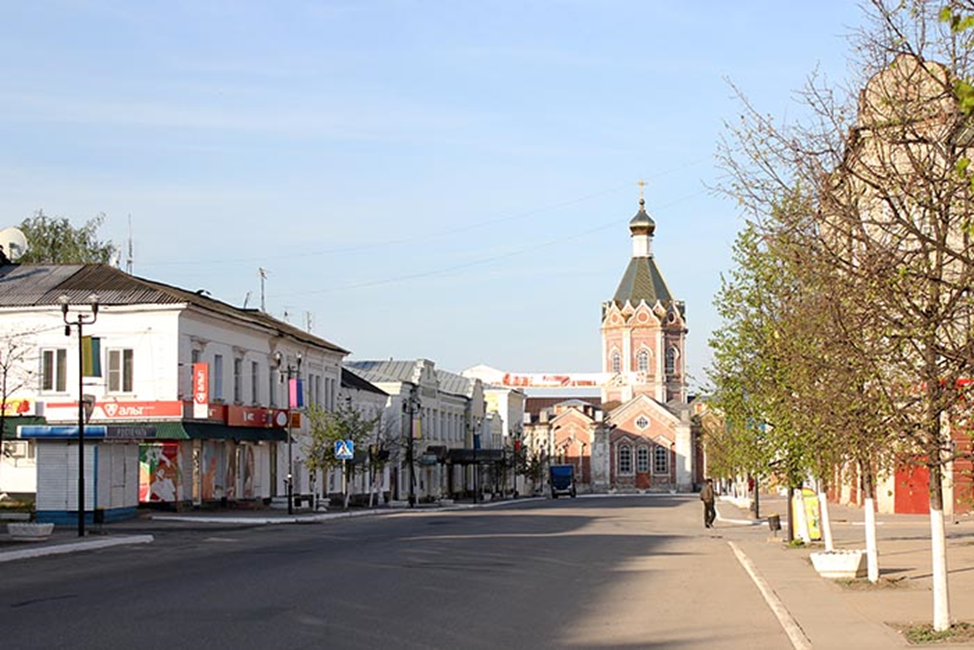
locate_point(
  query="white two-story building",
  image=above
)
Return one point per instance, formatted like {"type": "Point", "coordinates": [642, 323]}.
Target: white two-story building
{"type": "Point", "coordinates": [185, 397]}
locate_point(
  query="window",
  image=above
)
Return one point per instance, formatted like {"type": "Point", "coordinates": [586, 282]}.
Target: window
{"type": "Point", "coordinates": [120, 366]}
{"type": "Point", "coordinates": [642, 422]}
{"type": "Point", "coordinates": [54, 370]}
{"type": "Point", "coordinates": [272, 386]}
{"type": "Point", "coordinates": [217, 389]}
{"type": "Point", "coordinates": [625, 459]}
{"type": "Point", "coordinates": [194, 356]}
{"type": "Point", "coordinates": [642, 361]}
{"type": "Point", "coordinates": [254, 382]}
{"type": "Point", "coordinates": [671, 361]}
{"type": "Point", "coordinates": [616, 363]}
{"type": "Point", "coordinates": [237, 380]}
{"type": "Point", "coordinates": [642, 460]}
{"type": "Point", "coordinates": [661, 460]}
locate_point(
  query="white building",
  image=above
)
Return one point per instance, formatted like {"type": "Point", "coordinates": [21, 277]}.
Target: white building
{"type": "Point", "coordinates": [139, 385]}
{"type": "Point", "coordinates": [451, 446]}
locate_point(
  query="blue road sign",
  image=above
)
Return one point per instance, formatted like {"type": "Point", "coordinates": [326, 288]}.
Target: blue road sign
{"type": "Point", "coordinates": [344, 449]}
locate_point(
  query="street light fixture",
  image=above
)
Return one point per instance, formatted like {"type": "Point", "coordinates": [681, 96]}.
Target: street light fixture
{"type": "Point", "coordinates": [410, 407]}
{"type": "Point", "coordinates": [289, 372]}
{"type": "Point", "coordinates": [81, 319]}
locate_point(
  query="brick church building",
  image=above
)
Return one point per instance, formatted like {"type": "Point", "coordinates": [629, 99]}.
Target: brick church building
{"type": "Point", "coordinates": [639, 436]}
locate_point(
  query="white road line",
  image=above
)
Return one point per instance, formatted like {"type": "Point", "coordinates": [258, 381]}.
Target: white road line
{"type": "Point", "coordinates": [790, 625]}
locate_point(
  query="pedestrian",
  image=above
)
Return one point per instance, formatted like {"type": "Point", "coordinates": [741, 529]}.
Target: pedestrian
{"type": "Point", "coordinates": [707, 496]}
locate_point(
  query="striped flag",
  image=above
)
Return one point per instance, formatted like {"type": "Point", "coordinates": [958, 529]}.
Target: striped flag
{"type": "Point", "coordinates": [91, 356]}
{"type": "Point", "coordinates": [295, 393]}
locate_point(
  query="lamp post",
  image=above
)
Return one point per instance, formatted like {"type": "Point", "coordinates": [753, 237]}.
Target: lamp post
{"type": "Point", "coordinates": [410, 406]}
{"type": "Point", "coordinates": [80, 321]}
{"type": "Point", "coordinates": [289, 372]}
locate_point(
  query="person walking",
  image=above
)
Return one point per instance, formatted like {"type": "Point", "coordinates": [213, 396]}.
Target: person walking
{"type": "Point", "coordinates": [707, 496]}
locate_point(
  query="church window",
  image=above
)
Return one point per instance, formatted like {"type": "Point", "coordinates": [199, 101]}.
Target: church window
{"type": "Point", "coordinates": [671, 361]}
{"type": "Point", "coordinates": [661, 460]}
{"type": "Point", "coordinates": [642, 459]}
{"type": "Point", "coordinates": [616, 363]}
{"type": "Point", "coordinates": [625, 459]}
{"type": "Point", "coordinates": [642, 422]}
{"type": "Point", "coordinates": [642, 361]}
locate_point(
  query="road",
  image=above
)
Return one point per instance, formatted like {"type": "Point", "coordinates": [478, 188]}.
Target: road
{"type": "Point", "coordinates": [624, 572]}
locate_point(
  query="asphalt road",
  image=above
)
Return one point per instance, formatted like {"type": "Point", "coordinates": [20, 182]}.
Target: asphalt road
{"type": "Point", "coordinates": [629, 572]}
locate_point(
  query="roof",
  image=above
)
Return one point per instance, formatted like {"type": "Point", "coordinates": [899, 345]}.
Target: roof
{"type": "Point", "coordinates": [642, 281]}
{"type": "Point", "coordinates": [38, 285]}
{"type": "Point", "coordinates": [642, 223]}
{"type": "Point", "coordinates": [353, 381]}
{"type": "Point", "coordinates": [385, 371]}
{"type": "Point", "coordinates": [409, 371]}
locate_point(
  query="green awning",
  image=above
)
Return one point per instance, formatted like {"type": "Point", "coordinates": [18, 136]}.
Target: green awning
{"type": "Point", "coordinates": [11, 422]}
{"type": "Point", "coordinates": [212, 431]}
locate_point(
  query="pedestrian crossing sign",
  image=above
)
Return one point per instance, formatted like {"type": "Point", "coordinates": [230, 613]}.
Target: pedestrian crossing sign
{"type": "Point", "coordinates": [344, 449]}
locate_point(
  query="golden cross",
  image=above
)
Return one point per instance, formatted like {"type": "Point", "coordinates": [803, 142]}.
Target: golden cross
{"type": "Point", "coordinates": [641, 185]}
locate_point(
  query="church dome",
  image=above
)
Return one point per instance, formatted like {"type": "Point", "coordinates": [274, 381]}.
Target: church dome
{"type": "Point", "coordinates": [642, 223]}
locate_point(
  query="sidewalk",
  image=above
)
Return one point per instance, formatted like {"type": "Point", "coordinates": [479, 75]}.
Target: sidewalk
{"type": "Point", "coordinates": [856, 614]}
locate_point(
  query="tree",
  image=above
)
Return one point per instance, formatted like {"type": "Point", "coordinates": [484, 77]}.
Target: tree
{"type": "Point", "coordinates": [53, 240]}
{"type": "Point", "coordinates": [888, 175]}
{"type": "Point", "coordinates": [15, 374]}
{"type": "Point", "coordinates": [328, 427]}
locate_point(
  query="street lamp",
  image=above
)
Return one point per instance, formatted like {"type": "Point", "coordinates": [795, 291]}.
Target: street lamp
{"type": "Point", "coordinates": [80, 321]}
{"type": "Point", "coordinates": [290, 371]}
{"type": "Point", "coordinates": [410, 407]}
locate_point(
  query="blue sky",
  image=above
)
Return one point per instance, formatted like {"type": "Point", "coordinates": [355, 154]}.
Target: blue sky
{"type": "Point", "coordinates": [449, 180]}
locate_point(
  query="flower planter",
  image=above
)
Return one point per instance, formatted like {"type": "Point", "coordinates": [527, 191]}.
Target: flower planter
{"type": "Point", "coordinates": [30, 531]}
{"type": "Point", "coordinates": [840, 564]}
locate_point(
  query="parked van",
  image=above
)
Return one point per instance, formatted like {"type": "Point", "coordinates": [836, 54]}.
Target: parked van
{"type": "Point", "coordinates": [562, 480]}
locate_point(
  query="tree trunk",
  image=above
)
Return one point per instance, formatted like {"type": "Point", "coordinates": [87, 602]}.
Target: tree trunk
{"type": "Point", "coordinates": [826, 523]}
{"type": "Point", "coordinates": [868, 485]}
{"type": "Point", "coordinates": [938, 545]}
{"type": "Point", "coordinates": [791, 514]}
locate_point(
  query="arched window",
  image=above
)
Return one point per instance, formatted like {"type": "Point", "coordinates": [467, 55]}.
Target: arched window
{"type": "Point", "coordinates": [642, 459]}
{"type": "Point", "coordinates": [642, 361]}
{"type": "Point", "coordinates": [625, 459]}
{"type": "Point", "coordinates": [661, 460]}
{"type": "Point", "coordinates": [616, 363]}
{"type": "Point", "coordinates": [671, 361]}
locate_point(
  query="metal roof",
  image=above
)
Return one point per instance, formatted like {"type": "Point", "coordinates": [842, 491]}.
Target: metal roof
{"type": "Point", "coordinates": [642, 281]}
{"type": "Point", "coordinates": [38, 285]}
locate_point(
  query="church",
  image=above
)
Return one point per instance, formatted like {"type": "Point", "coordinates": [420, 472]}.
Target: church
{"type": "Point", "coordinates": [639, 435]}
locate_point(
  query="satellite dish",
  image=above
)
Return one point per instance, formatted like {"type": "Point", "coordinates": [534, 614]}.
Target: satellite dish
{"type": "Point", "coordinates": [14, 243]}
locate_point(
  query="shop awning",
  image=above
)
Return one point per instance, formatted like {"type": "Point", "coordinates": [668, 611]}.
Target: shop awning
{"type": "Point", "coordinates": [11, 422]}
{"type": "Point", "coordinates": [214, 431]}
{"type": "Point", "coordinates": [148, 431]}
{"type": "Point", "coordinates": [471, 456]}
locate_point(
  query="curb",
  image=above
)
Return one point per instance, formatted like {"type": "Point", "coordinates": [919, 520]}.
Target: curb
{"type": "Point", "coordinates": [61, 549]}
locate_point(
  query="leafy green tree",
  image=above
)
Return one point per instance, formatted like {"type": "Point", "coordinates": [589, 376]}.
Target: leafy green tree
{"type": "Point", "coordinates": [328, 427]}
{"type": "Point", "coordinates": [53, 240]}
{"type": "Point", "coordinates": [886, 169]}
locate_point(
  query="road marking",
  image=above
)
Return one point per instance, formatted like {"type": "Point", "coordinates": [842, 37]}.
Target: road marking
{"type": "Point", "coordinates": [790, 625]}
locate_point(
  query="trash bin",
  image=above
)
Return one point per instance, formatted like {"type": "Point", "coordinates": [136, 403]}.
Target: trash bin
{"type": "Point", "coordinates": [774, 523]}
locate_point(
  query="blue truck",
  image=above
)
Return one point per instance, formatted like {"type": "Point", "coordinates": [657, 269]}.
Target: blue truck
{"type": "Point", "coordinates": [562, 480]}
